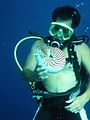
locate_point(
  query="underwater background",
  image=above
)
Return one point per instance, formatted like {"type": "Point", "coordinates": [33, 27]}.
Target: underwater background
{"type": "Point", "coordinates": [16, 18]}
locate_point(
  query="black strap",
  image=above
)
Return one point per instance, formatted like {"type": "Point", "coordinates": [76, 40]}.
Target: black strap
{"type": "Point", "coordinates": [74, 60]}
{"type": "Point", "coordinates": [50, 39]}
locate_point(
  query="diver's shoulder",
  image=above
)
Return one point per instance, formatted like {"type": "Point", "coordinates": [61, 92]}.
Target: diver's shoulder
{"type": "Point", "coordinates": [83, 47]}
{"type": "Point", "coordinates": [37, 42]}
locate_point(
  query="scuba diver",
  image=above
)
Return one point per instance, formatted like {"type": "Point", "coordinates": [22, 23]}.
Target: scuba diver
{"type": "Point", "coordinates": [54, 66]}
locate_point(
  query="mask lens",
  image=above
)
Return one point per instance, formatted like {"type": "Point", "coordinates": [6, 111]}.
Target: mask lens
{"type": "Point", "coordinates": [54, 29]}
{"type": "Point", "coordinates": [65, 30]}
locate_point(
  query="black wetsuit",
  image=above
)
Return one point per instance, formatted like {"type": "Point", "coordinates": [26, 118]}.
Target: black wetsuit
{"type": "Point", "coordinates": [53, 109]}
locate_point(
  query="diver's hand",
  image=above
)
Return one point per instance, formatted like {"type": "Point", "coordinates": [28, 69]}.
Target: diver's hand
{"type": "Point", "coordinates": [76, 105]}
{"type": "Point", "coordinates": [41, 73]}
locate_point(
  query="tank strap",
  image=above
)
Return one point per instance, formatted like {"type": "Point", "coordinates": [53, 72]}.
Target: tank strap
{"type": "Point", "coordinates": [74, 60]}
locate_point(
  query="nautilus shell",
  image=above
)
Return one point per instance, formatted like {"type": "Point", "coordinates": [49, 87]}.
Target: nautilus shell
{"type": "Point", "coordinates": [51, 57]}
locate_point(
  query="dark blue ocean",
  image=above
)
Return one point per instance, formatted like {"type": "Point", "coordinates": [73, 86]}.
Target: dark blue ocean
{"type": "Point", "coordinates": [16, 18]}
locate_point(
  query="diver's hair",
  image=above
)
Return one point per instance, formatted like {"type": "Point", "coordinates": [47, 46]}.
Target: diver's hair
{"type": "Point", "coordinates": [65, 13]}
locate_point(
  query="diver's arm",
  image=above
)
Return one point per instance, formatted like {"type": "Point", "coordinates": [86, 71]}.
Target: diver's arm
{"type": "Point", "coordinates": [33, 72]}
{"type": "Point", "coordinates": [28, 73]}
{"type": "Point", "coordinates": [38, 75]}
{"type": "Point", "coordinates": [86, 94]}
{"type": "Point", "coordinates": [80, 101]}
{"type": "Point", "coordinates": [85, 56]}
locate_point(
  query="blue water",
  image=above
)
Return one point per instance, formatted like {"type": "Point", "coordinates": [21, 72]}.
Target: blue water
{"type": "Point", "coordinates": [16, 18]}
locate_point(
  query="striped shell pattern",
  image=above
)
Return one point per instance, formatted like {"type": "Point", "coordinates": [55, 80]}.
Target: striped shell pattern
{"type": "Point", "coordinates": [51, 57]}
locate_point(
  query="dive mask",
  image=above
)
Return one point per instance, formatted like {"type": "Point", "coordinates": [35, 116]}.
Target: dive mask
{"type": "Point", "coordinates": [61, 30]}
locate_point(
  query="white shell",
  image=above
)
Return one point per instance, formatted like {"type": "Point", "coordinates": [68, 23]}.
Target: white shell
{"type": "Point", "coordinates": [54, 61]}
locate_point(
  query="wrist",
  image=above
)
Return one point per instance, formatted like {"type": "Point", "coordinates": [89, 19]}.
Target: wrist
{"type": "Point", "coordinates": [28, 75]}
{"type": "Point", "coordinates": [86, 96]}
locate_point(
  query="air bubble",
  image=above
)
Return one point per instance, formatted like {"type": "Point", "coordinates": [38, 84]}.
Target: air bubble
{"type": "Point", "coordinates": [87, 28]}
{"type": "Point", "coordinates": [79, 5]}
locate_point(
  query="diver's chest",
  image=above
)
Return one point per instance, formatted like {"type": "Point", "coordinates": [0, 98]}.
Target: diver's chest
{"type": "Point", "coordinates": [66, 73]}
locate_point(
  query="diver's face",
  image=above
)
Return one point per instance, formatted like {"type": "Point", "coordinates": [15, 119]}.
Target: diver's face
{"type": "Point", "coordinates": [61, 29]}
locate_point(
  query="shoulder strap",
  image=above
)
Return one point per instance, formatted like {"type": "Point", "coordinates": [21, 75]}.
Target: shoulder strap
{"type": "Point", "coordinates": [74, 60]}
{"type": "Point", "coordinates": [80, 72]}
